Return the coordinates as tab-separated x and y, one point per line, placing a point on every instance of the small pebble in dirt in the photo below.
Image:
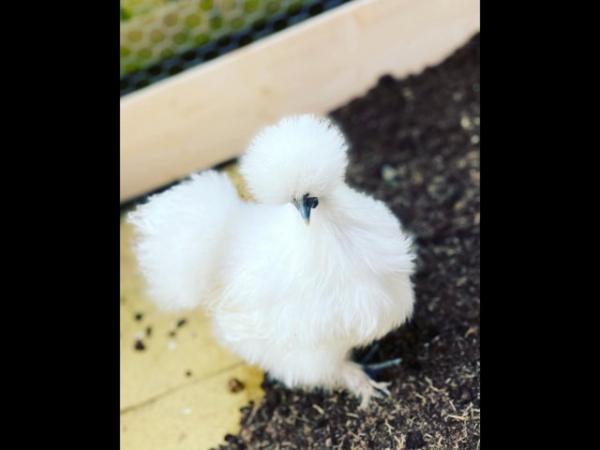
172	334
474	139
186	411
181	322
388	173
465	122
148	331
188	373
139	345
138	316
235	385
172	345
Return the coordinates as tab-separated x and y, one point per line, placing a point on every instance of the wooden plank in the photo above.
207	114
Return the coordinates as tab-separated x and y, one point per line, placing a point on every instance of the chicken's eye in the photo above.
311	202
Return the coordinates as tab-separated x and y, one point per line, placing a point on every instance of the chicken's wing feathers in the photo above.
179	236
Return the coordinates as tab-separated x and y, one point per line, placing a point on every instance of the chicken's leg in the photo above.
362	385
370	353
374	368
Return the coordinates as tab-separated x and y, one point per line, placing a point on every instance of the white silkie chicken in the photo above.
294	281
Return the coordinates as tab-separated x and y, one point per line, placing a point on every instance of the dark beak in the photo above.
305	205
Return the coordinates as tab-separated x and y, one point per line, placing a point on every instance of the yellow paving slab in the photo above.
175	391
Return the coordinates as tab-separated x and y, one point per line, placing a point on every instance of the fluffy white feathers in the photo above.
289	297
296	155
180	235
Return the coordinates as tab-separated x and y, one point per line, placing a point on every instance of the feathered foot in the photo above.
362	385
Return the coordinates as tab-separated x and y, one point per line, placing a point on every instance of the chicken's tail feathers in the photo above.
179	237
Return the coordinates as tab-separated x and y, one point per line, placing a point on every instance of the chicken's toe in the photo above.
381	386
361	385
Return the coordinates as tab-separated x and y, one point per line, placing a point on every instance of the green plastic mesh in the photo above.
154	30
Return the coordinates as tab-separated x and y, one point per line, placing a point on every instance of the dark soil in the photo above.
415	145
